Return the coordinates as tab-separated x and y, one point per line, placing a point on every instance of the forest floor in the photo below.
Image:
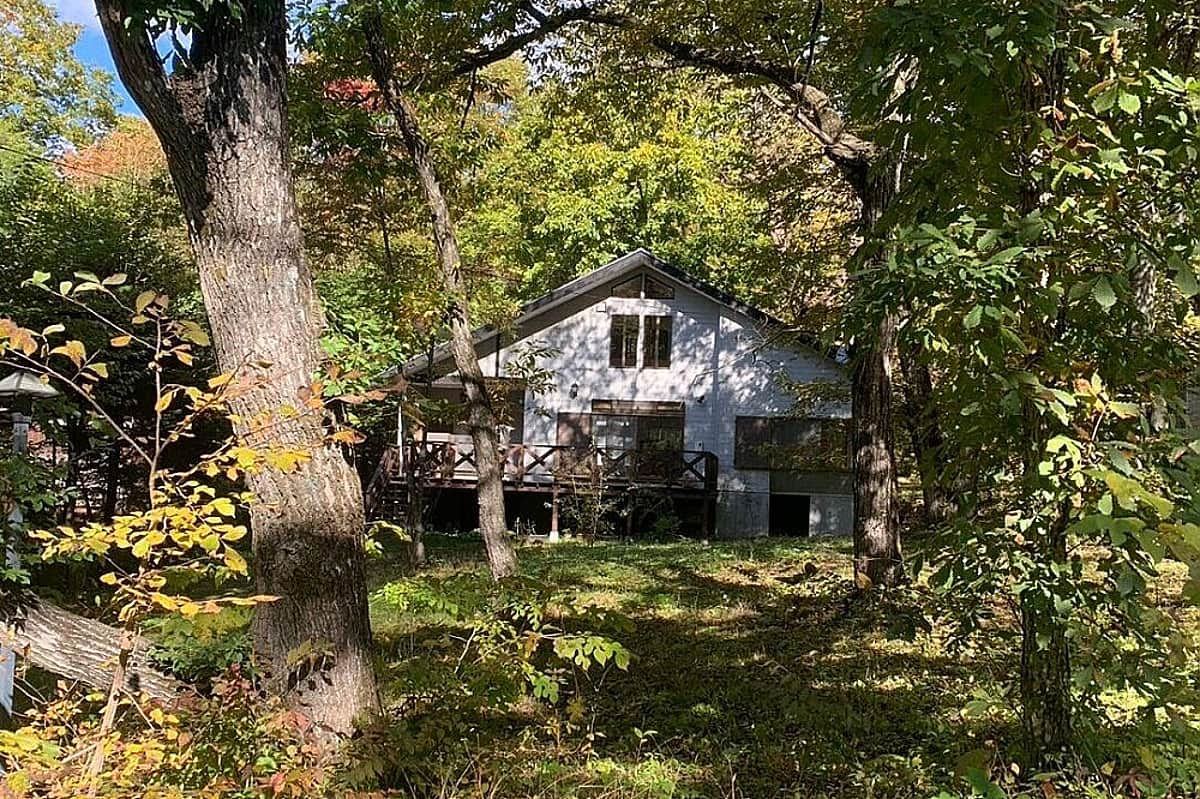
754	675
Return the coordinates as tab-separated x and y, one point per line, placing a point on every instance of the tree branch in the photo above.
853	154
546	25
138	65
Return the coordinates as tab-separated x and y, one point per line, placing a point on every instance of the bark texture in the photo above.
1045	688
222	121
481	418
78	648
878	560
928	442
1045	673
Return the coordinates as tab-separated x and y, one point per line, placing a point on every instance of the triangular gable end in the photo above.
640	259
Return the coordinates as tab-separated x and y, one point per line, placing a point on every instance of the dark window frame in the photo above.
648	287
622	348
656	353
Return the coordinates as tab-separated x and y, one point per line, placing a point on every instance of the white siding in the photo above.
721	368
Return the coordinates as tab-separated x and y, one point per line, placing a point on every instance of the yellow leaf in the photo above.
120	341
164	401
219	380
143	300
74	350
164	601
234	561
223	506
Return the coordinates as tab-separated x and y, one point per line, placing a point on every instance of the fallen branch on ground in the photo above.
78	648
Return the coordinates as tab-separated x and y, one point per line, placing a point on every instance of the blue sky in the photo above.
91	48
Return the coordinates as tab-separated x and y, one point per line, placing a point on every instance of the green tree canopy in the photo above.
45	92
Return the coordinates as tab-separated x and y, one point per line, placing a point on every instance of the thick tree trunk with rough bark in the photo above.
222	121
481	419
878	560
1045	689
1045	674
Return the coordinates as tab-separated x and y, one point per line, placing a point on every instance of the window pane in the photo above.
658	342
657	290
629	288
752	439
622	351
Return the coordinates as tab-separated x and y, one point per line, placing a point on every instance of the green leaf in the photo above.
1185	277
1106	99
1103	293
1130	103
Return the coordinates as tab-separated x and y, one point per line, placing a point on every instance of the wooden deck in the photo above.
548	468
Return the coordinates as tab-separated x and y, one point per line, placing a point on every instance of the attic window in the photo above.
657	290
643	286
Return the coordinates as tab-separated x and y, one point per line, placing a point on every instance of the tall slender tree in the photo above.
403	47
221	116
481	418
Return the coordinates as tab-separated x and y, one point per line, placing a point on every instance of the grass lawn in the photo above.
753	675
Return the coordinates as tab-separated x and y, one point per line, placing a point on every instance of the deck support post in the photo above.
554	516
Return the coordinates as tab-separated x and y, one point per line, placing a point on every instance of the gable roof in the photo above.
641	258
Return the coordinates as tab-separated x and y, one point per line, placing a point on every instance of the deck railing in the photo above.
534	465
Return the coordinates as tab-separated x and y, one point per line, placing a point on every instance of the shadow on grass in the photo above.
755	675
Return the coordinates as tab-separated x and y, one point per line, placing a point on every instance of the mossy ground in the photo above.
757	673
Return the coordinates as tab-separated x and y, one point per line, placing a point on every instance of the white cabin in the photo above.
658	379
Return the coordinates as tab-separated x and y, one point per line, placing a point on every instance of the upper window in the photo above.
644	286
628	288
623	342
657	290
656	347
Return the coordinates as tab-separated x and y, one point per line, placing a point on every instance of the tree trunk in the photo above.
1144	281
1045	688
1045	678
489	464
78	648
112	479
877	557
927	440
878	560
222	121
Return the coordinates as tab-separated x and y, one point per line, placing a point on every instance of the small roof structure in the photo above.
23	383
